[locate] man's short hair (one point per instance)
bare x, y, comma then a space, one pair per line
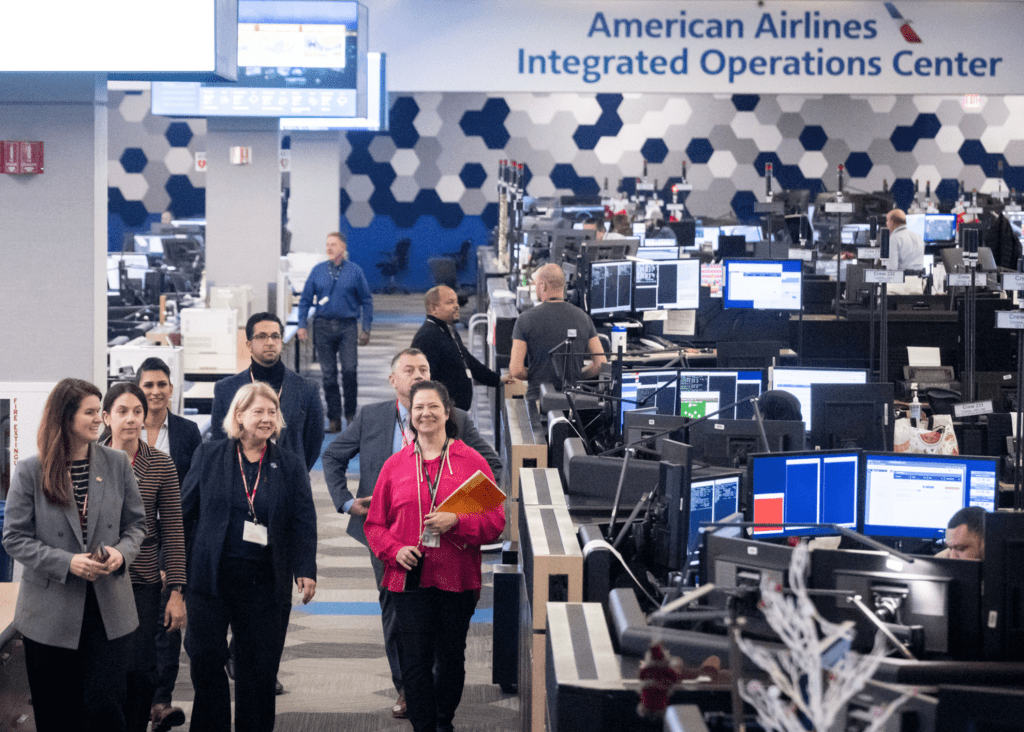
433, 297
338, 235
897, 217
972, 516
552, 276
152, 364
250, 325
405, 352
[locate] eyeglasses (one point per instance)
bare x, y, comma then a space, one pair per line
267, 336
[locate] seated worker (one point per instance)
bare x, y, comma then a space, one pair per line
965, 534
544, 328
906, 248
776, 404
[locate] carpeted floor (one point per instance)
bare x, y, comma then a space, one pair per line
334, 670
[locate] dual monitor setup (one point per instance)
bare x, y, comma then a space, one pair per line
621, 287
838, 406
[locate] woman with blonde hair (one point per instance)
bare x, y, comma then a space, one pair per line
250, 528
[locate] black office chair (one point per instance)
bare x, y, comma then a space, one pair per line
396, 263
445, 271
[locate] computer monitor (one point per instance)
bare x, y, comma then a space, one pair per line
1003, 633
666, 285
671, 504
939, 227
611, 288
711, 500
814, 487
707, 235
639, 389
640, 424
728, 442
608, 249
852, 416
797, 381
910, 495
734, 246
763, 284
685, 231
941, 597
703, 391
657, 253
915, 222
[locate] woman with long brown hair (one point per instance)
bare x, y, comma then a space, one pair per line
74, 520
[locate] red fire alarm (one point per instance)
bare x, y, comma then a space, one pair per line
22, 156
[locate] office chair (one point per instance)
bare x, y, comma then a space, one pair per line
396, 263
445, 269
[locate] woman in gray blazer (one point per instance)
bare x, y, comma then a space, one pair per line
75, 520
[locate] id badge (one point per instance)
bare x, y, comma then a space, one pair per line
430, 540
469, 374
255, 533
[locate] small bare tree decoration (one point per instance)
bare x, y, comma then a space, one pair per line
813, 679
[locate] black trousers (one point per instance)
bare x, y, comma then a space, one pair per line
434, 625
168, 655
245, 603
142, 665
82, 688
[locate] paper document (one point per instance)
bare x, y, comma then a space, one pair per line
476, 495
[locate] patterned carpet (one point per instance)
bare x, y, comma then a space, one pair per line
334, 670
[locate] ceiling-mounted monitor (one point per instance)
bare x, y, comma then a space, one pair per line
127, 39
296, 58
377, 105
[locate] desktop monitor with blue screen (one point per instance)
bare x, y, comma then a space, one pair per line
640, 389
913, 495
762, 284
939, 227
611, 288
818, 487
711, 500
702, 392
797, 381
666, 285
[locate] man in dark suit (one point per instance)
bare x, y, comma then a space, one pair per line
179, 438
301, 406
451, 363
379, 431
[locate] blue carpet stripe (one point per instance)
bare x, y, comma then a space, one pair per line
482, 614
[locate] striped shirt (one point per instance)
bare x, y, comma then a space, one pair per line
80, 484
158, 483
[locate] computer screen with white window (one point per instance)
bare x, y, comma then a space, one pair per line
762, 284
797, 381
912, 495
666, 285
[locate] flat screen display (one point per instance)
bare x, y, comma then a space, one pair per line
640, 391
193, 38
762, 284
704, 392
915, 495
657, 253
939, 227
810, 488
296, 58
611, 288
377, 106
667, 285
798, 383
710, 501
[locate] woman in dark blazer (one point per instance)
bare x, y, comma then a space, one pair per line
75, 520
250, 528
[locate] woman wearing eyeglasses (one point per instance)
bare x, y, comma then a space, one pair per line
250, 529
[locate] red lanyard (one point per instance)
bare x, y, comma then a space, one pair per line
250, 496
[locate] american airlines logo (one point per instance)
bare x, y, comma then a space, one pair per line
908, 33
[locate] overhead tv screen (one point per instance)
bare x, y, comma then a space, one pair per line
377, 104
296, 58
126, 38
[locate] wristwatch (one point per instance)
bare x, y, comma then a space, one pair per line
178, 588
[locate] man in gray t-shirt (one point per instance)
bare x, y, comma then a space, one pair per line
542, 328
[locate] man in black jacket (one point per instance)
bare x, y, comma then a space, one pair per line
451, 363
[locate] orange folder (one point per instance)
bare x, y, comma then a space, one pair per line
476, 495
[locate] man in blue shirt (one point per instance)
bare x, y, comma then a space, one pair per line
337, 289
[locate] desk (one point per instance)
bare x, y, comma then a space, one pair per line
522, 447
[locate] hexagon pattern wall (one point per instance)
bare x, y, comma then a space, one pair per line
432, 176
